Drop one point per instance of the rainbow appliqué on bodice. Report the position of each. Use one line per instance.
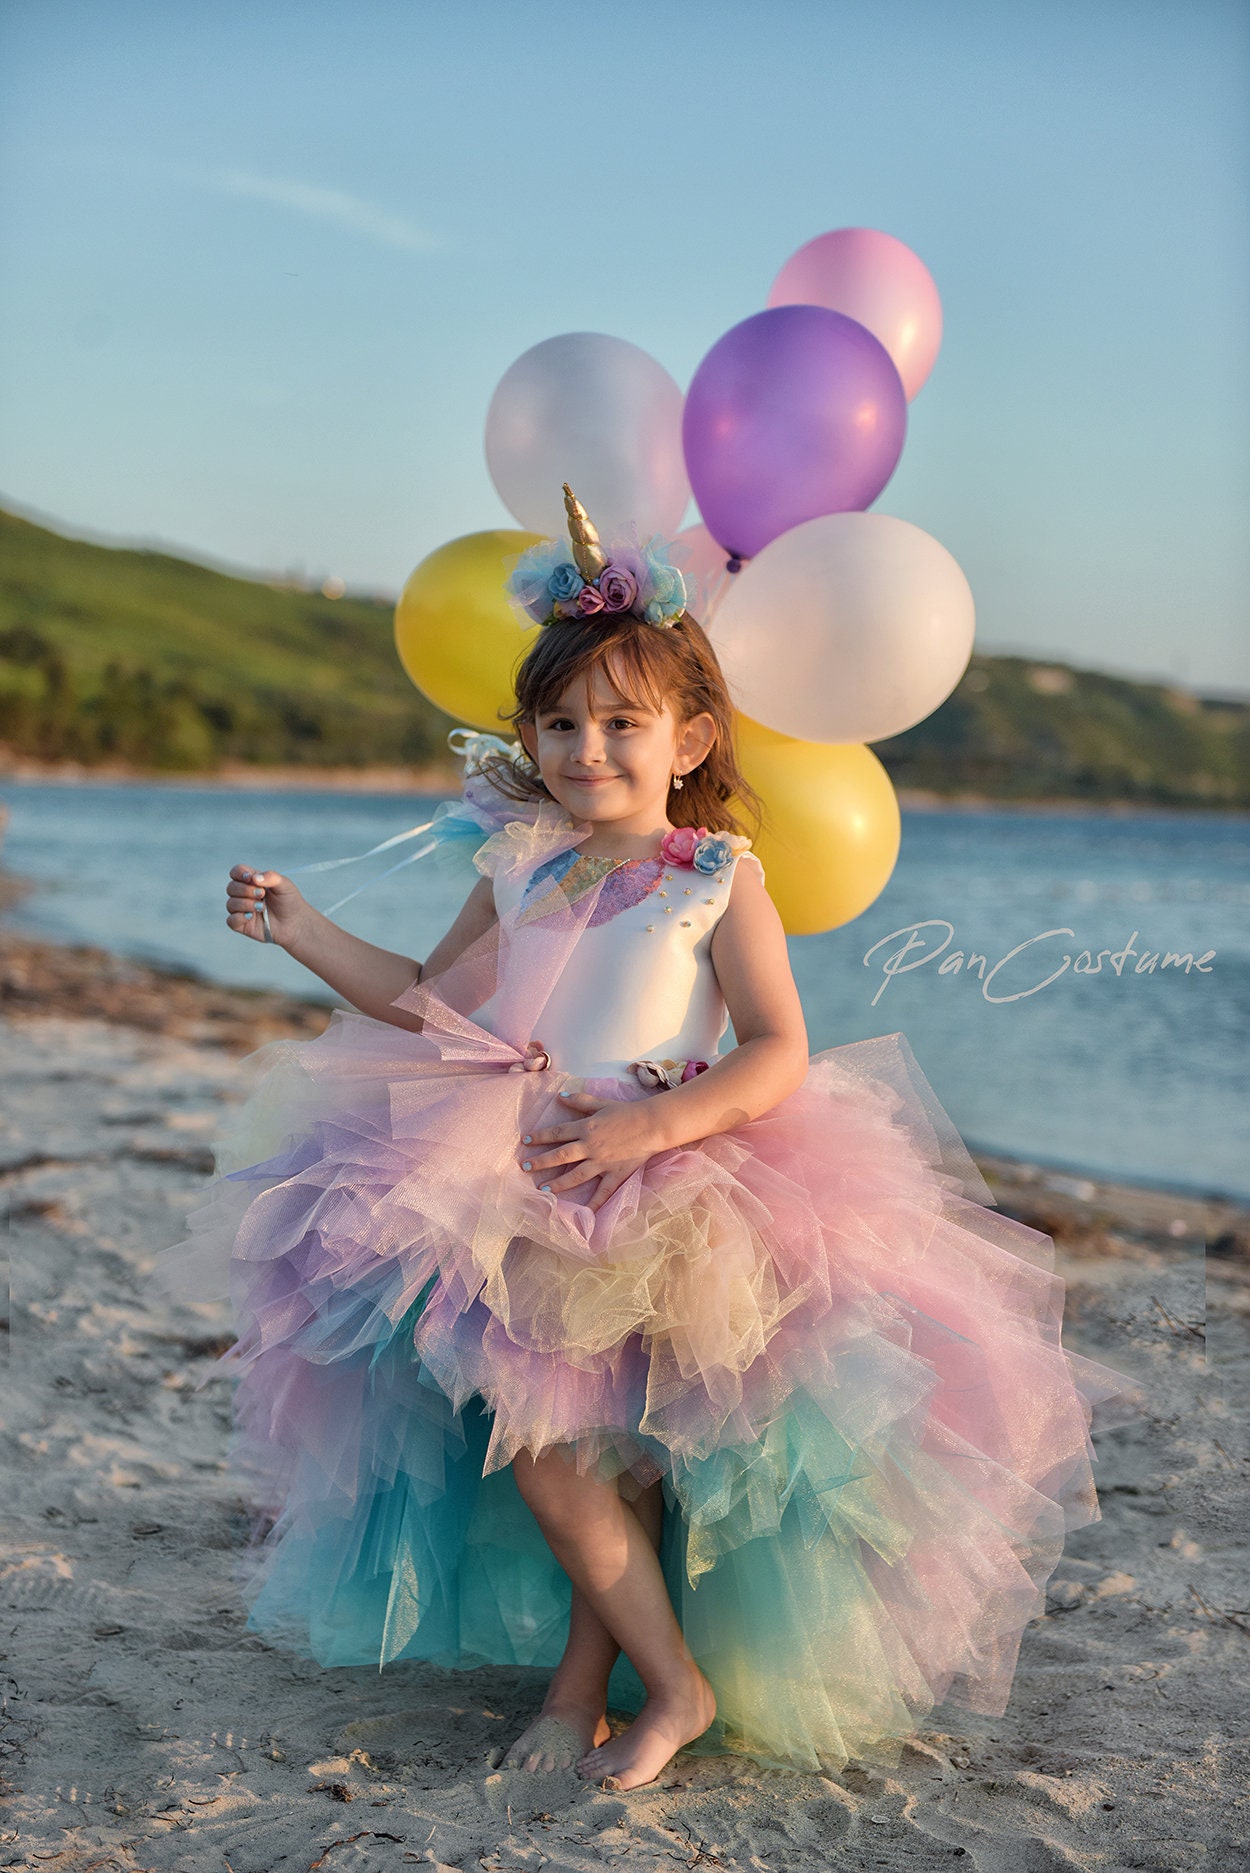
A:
(568, 876)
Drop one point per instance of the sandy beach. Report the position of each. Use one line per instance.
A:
(144, 1729)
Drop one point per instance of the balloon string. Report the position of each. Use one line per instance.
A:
(332, 864)
(469, 743)
(409, 858)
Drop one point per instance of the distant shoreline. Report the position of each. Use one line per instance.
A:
(435, 779)
(240, 775)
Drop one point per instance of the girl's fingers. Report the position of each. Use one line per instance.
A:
(552, 1160)
(260, 881)
(580, 1174)
(607, 1187)
(554, 1134)
(586, 1102)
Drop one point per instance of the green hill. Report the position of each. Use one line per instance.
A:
(112, 654)
(1018, 729)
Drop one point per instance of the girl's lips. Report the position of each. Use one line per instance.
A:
(591, 780)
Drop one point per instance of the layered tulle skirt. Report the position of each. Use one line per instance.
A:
(845, 1369)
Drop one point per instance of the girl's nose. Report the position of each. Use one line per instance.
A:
(588, 747)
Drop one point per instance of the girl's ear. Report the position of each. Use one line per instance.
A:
(695, 740)
(528, 739)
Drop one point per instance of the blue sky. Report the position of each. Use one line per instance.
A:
(263, 265)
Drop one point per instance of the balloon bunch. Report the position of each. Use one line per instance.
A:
(835, 627)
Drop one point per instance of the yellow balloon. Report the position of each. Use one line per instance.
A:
(831, 829)
(458, 637)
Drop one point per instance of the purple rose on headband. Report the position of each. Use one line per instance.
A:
(619, 588)
(589, 601)
(565, 581)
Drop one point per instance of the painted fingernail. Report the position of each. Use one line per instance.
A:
(527, 1139)
(544, 1186)
(527, 1166)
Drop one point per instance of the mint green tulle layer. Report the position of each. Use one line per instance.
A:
(463, 1578)
(813, 1662)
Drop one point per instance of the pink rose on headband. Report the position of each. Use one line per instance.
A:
(619, 588)
(677, 847)
(589, 601)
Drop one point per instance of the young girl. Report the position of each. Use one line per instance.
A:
(564, 1340)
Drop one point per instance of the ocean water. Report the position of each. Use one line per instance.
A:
(1137, 1071)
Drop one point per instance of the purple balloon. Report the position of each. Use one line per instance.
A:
(796, 412)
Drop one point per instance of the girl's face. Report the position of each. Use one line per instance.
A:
(610, 760)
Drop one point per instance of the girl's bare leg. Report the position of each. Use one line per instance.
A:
(577, 1694)
(604, 1549)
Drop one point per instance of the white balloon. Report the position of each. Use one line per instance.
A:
(596, 412)
(848, 628)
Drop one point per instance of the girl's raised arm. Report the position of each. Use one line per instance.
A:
(368, 977)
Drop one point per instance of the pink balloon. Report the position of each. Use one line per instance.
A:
(874, 278)
(705, 565)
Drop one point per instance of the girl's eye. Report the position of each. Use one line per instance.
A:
(562, 722)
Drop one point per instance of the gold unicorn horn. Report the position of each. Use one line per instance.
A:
(588, 555)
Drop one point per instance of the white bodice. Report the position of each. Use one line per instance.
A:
(638, 985)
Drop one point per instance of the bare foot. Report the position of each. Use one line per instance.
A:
(662, 1727)
(557, 1738)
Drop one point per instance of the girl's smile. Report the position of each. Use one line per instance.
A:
(610, 759)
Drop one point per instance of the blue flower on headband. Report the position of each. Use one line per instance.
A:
(566, 581)
(668, 588)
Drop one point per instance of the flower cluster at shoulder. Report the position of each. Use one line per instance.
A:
(706, 851)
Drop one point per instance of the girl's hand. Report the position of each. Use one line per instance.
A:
(613, 1140)
(248, 890)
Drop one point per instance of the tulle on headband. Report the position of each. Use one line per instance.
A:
(641, 576)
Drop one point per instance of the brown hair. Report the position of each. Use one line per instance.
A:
(650, 663)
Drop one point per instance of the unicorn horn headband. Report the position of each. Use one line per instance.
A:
(588, 556)
(554, 583)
